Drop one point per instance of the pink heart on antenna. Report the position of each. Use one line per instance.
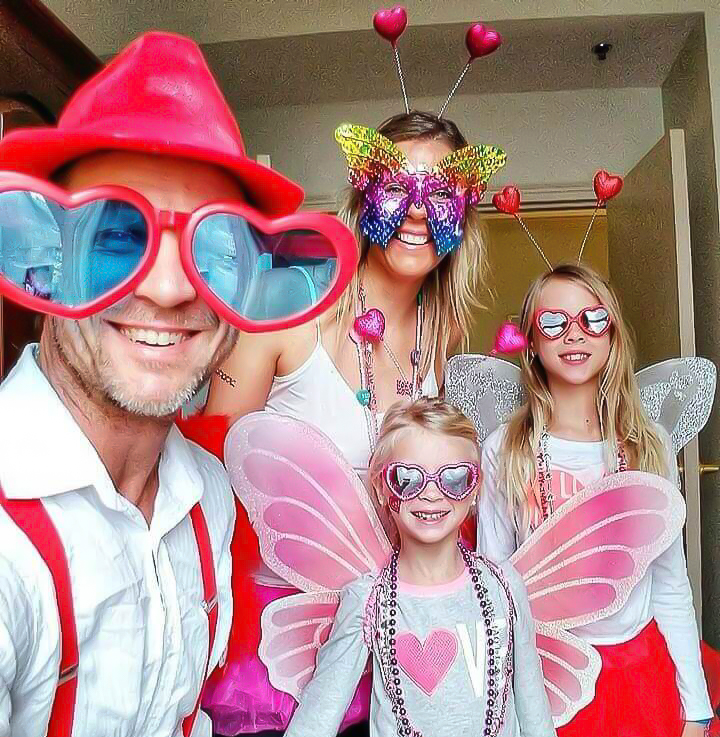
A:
(481, 40)
(509, 340)
(370, 326)
(508, 200)
(390, 23)
(606, 185)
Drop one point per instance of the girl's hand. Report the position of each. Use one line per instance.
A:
(693, 729)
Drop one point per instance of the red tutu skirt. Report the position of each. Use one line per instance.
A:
(636, 694)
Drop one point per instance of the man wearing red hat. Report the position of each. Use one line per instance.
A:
(148, 238)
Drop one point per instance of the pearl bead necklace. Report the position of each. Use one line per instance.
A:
(386, 609)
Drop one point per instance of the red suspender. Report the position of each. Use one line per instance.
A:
(32, 518)
(210, 603)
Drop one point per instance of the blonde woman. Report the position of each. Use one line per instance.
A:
(415, 290)
(582, 420)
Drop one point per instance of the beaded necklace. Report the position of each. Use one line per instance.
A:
(384, 597)
(367, 395)
(544, 472)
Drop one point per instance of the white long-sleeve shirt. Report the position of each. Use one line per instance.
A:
(137, 589)
(663, 594)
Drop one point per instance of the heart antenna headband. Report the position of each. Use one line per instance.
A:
(479, 40)
(606, 187)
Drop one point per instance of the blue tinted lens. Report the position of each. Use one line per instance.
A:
(261, 276)
(69, 257)
(119, 243)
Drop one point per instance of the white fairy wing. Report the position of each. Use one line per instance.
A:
(678, 394)
(314, 519)
(485, 389)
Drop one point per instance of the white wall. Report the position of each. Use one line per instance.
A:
(553, 139)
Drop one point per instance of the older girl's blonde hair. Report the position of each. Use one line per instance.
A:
(619, 407)
(434, 415)
(450, 292)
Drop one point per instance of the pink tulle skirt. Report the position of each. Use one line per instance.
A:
(636, 694)
(243, 701)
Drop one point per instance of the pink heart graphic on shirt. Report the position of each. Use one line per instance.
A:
(426, 664)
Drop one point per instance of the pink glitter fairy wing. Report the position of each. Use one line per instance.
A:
(582, 563)
(570, 668)
(314, 519)
(293, 629)
(368, 153)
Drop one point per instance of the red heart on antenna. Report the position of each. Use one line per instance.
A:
(606, 185)
(481, 40)
(507, 201)
(390, 23)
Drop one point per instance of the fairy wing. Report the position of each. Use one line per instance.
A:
(570, 666)
(472, 167)
(294, 628)
(485, 389)
(368, 153)
(678, 394)
(580, 566)
(314, 519)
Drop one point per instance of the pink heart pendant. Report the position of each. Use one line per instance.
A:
(390, 24)
(509, 340)
(370, 326)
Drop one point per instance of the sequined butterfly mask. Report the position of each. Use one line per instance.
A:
(391, 185)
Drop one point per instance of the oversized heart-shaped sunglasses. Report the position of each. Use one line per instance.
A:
(553, 324)
(407, 481)
(73, 255)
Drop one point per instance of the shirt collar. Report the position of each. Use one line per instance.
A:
(43, 451)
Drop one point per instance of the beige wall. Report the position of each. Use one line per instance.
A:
(687, 105)
(514, 262)
(552, 138)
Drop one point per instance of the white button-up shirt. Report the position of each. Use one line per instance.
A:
(137, 590)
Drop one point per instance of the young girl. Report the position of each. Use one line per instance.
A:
(450, 634)
(583, 419)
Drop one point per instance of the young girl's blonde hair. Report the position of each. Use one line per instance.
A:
(434, 415)
(620, 409)
(450, 291)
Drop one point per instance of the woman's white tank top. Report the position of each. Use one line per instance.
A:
(317, 393)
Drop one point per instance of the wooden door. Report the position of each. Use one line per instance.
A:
(650, 265)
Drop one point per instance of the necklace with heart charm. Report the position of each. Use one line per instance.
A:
(368, 331)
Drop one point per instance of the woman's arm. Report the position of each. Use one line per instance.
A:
(243, 382)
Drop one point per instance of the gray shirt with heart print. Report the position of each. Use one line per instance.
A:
(443, 662)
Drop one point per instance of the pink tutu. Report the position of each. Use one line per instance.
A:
(244, 701)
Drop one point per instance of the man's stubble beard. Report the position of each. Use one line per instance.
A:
(95, 376)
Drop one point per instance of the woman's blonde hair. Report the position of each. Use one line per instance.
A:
(434, 415)
(622, 416)
(450, 292)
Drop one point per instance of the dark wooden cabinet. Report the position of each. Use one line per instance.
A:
(41, 64)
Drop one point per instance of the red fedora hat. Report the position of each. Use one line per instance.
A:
(157, 96)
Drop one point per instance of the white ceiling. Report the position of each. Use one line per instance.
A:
(551, 54)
